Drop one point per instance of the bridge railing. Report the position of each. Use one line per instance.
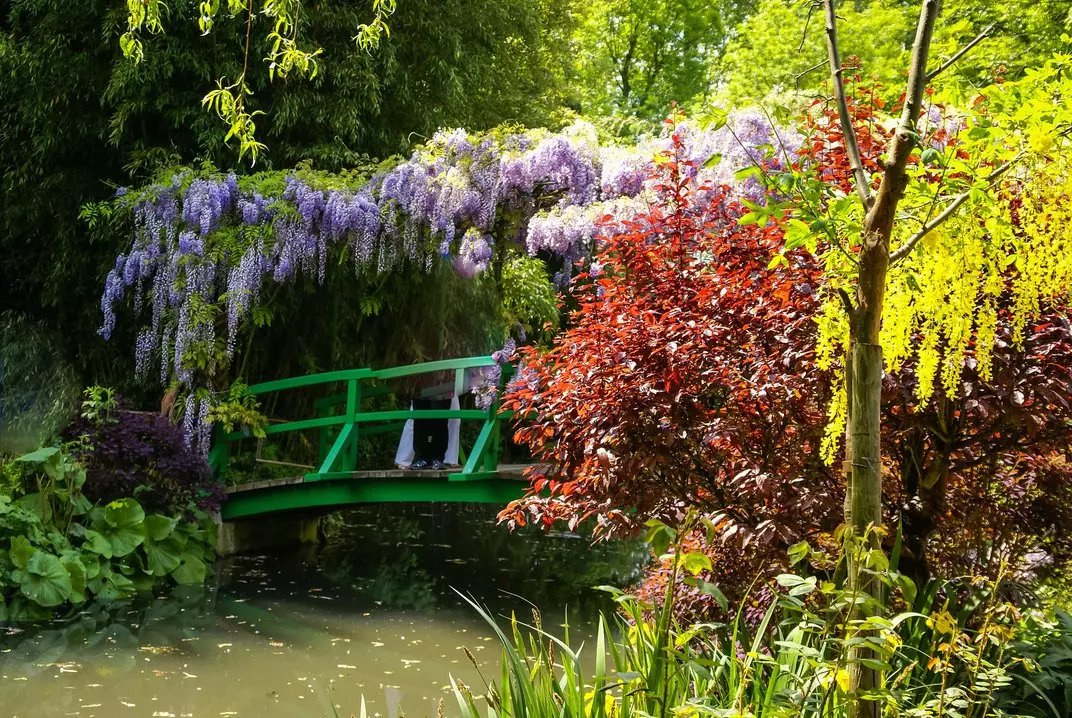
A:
(341, 420)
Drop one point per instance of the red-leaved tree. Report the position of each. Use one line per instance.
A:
(685, 379)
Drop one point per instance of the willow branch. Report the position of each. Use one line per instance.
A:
(963, 51)
(836, 74)
(905, 249)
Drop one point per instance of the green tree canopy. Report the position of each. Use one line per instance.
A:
(634, 57)
(80, 119)
(777, 55)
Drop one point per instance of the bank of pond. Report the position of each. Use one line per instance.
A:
(113, 602)
(376, 614)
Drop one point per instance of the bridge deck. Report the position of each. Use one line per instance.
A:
(504, 471)
(326, 492)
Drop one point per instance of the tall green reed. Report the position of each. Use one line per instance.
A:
(943, 650)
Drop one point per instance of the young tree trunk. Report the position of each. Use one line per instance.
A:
(864, 370)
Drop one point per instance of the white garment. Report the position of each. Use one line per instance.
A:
(404, 455)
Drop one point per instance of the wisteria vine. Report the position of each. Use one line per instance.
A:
(206, 245)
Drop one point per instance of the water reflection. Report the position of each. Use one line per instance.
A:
(374, 613)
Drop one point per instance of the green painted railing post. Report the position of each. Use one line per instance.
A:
(353, 407)
(491, 453)
(220, 456)
(325, 434)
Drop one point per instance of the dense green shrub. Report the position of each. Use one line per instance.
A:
(57, 549)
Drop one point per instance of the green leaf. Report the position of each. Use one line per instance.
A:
(77, 571)
(709, 589)
(80, 505)
(78, 478)
(45, 581)
(110, 586)
(124, 541)
(92, 564)
(659, 536)
(798, 552)
(715, 119)
(797, 233)
(746, 172)
(122, 524)
(694, 562)
(191, 570)
(908, 586)
(805, 588)
(124, 513)
(21, 551)
(158, 527)
(163, 557)
(40, 456)
(96, 543)
(36, 506)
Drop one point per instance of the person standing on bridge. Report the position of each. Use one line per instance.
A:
(430, 444)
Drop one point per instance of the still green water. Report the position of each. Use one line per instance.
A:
(373, 614)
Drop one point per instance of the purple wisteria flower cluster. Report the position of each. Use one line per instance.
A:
(205, 247)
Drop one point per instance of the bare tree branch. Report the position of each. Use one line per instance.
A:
(851, 147)
(847, 301)
(807, 23)
(905, 249)
(917, 71)
(816, 66)
(961, 53)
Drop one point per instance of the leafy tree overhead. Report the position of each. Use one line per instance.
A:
(635, 57)
(1019, 35)
(777, 55)
(90, 120)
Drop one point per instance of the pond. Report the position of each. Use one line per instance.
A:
(376, 613)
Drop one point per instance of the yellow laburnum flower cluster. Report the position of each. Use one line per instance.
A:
(1008, 248)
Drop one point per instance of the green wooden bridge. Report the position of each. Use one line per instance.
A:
(340, 421)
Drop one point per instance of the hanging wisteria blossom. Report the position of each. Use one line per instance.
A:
(203, 241)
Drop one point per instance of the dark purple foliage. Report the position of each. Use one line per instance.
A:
(144, 450)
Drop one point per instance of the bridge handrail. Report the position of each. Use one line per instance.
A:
(344, 446)
(434, 366)
(330, 377)
(296, 382)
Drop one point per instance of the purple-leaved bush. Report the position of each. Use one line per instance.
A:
(144, 450)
